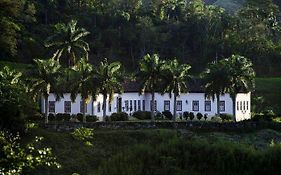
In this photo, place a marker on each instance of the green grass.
(76, 157)
(270, 89)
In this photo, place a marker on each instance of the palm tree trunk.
(152, 105)
(46, 109)
(218, 105)
(175, 107)
(233, 97)
(104, 106)
(84, 110)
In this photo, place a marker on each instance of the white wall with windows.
(130, 102)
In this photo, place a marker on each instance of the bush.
(191, 116)
(262, 117)
(84, 134)
(159, 116)
(226, 117)
(36, 117)
(142, 115)
(199, 116)
(121, 116)
(216, 119)
(51, 117)
(168, 115)
(92, 118)
(79, 117)
(63, 117)
(205, 116)
(185, 115)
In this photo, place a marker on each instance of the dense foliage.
(16, 103)
(17, 159)
(182, 156)
(193, 32)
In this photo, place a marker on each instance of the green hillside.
(270, 90)
(76, 157)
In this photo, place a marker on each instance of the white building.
(131, 101)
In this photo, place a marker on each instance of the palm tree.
(45, 79)
(109, 79)
(175, 81)
(68, 41)
(150, 76)
(241, 77)
(216, 81)
(81, 82)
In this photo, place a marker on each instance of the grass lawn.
(270, 89)
(76, 157)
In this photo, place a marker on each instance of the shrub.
(199, 116)
(17, 158)
(191, 116)
(121, 116)
(159, 116)
(51, 117)
(92, 118)
(79, 116)
(216, 119)
(142, 115)
(226, 117)
(205, 116)
(36, 117)
(84, 134)
(63, 117)
(262, 117)
(185, 115)
(168, 115)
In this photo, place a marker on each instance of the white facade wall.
(243, 106)
(95, 108)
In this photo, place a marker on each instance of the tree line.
(125, 30)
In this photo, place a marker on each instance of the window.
(131, 105)
(143, 105)
(109, 107)
(237, 106)
(244, 106)
(240, 105)
(155, 105)
(247, 105)
(222, 106)
(166, 105)
(208, 106)
(179, 105)
(67, 106)
(139, 105)
(135, 105)
(127, 105)
(81, 107)
(52, 106)
(99, 106)
(195, 105)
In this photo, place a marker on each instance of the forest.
(193, 31)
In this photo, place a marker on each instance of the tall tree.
(241, 77)
(44, 79)
(9, 27)
(109, 79)
(82, 82)
(68, 41)
(150, 76)
(176, 76)
(216, 81)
